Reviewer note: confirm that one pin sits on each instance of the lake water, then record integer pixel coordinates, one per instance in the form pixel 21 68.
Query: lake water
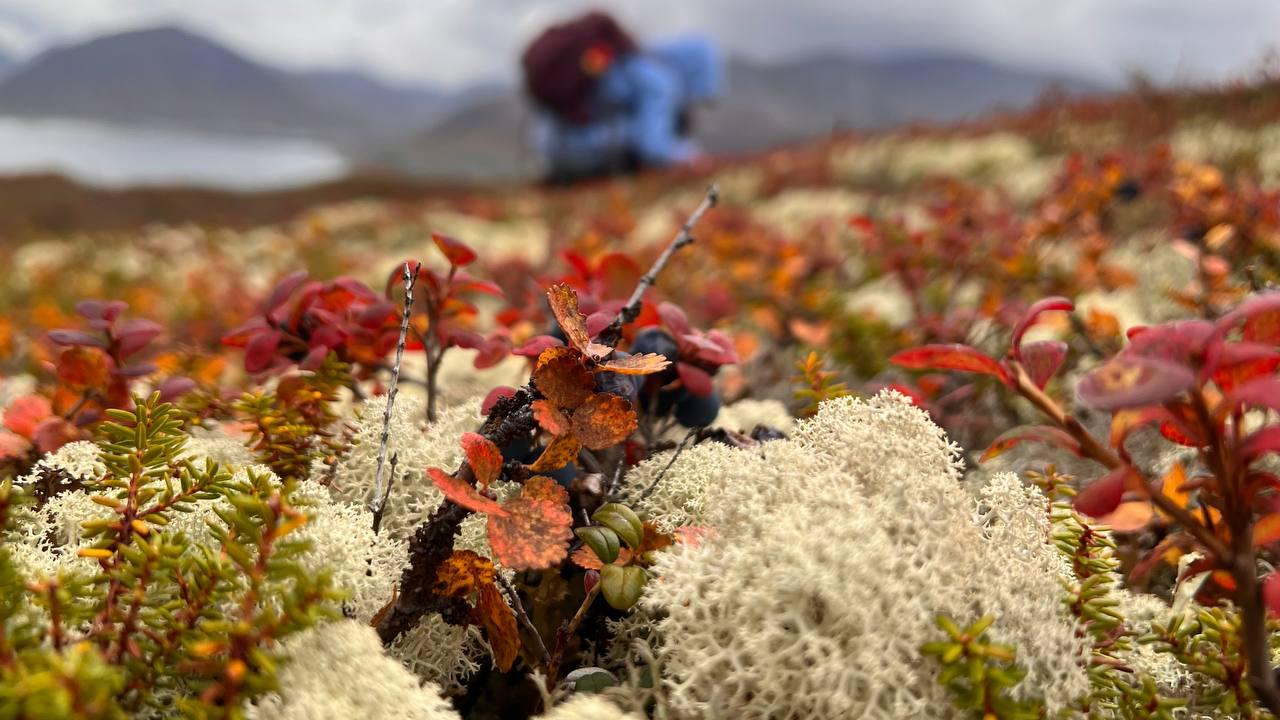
pixel 122 156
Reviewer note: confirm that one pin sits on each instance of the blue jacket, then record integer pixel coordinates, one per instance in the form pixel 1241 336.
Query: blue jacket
pixel 637 103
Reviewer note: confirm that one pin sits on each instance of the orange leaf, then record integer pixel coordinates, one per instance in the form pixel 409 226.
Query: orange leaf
pixel 1224 578
pixel 462 573
pixel 603 421
pixel 484 457
pixel 584 558
pixel 1172 488
pixel 562 450
pixel 1129 517
pixel 562 379
pixel 499 623
pixel 532 534
pixel 645 364
pixel 25 413
pixel 457 252
pixel 461 493
pixel 549 418
pixel 564 303
pixel 654 539
pixel 1266 530
pixel 541 487
pixel 81 367
pixel 692 535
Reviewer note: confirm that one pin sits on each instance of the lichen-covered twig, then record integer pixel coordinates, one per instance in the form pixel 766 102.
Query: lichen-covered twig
pixel 379 500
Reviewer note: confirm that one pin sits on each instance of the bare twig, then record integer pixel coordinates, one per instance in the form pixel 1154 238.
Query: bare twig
pixel 567 631
pixel 391 478
pixel 379 499
pixel 675 456
pixel 611 334
pixel 523 616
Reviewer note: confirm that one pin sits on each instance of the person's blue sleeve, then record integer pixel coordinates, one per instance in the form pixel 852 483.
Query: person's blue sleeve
pixel 654 109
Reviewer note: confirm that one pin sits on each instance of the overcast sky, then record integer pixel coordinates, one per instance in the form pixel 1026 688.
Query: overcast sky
pixel 453 42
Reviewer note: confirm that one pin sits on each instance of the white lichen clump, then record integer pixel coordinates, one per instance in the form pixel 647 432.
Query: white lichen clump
pixel 835 551
pixel 74 462
pixel 588 707
pixel 746 414
pixel 338 671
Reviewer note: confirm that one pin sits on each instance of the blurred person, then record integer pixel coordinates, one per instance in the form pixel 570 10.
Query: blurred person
pixel 605 106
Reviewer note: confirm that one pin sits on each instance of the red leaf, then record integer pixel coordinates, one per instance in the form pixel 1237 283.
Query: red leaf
pixel 25 413
pixel 461 493
pixel 134 335
pixel 1104 494
pixel 1036 433
pixel 100 310
pixel 484 457
pixel 493 397
pixel 1271 593
pixel 695 379
pixel 261 350
pixel 82 367
pixel 76 337
pixel 1128 381
pixel 240 336
pixel 457 252
pixel 950 357
pixel 283 290
pixel 175 387
pixel 1266 440
pixel 674 318
pixel 1029 319
pixel 53 433
pixel 531 534
pixel 550 418
pixel 1238 363
pixel 1043 359
pixel 534 346
pixel 1262 392
pixel 462 282
pixel 13 446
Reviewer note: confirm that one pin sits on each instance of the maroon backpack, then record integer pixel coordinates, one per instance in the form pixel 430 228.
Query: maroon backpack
pixel 563 64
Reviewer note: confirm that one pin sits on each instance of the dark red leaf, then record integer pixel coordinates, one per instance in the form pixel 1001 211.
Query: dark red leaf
pixel 76 337
pixel 1237 363
pixel 1104 494
pixel 493 351
pixel 240 336
pixel 493 397
pixel 1042 360
pixel 1029 319
pixel 175 387
pixel 598 321
pixel 135 371
pixel 1271 593
pixel 463 282
pixel 261 350
pixel 1266 440
pixel 950 357
pixel 695 379
pixel 134 336
pixel 534 346
pixel 283 290
pixel 1262 393
pixel 52 433
pixel 1128 381
pixel 377 314
pixel 674 318
pixel 456 251
pixel 100 310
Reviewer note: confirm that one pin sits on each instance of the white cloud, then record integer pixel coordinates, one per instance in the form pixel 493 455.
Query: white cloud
pixel 458 41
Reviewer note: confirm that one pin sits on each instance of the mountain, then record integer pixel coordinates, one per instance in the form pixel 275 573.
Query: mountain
pixel 764 105
pixel 172 77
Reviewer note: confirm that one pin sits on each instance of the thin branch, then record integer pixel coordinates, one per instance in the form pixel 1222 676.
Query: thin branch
pixel 379 499
pixel 611 334
pixel 523 616
pixel 675 456
pixel 391 478
pixel 567 631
